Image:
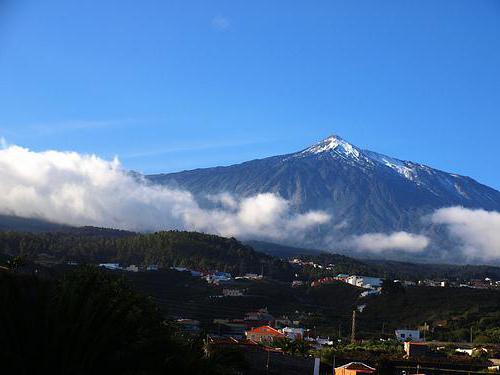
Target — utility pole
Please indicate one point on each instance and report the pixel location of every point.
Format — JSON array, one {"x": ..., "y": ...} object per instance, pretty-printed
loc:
[
  {"x": 267, "y": 363},
  {"x": 353, "y": 329},
  {"x": 471, "y": 334},
  {"x": 333, "y": 365}
]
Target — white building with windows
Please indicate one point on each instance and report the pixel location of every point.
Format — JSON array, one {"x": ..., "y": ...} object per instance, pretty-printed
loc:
[
  {"x": 408, "y": 335},
  {"x": 365, "y": 281}
]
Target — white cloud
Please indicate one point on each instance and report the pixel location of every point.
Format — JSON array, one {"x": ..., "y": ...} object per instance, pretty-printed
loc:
[
  {"x": 342, "y": 225},
  {"x": 382, "y": 242},
  {"x": 220, "y": 23},
  {"x": 477, "y": 230},
  {"x": 76, "y": 189},
  {"x": 226, "y": 200}
]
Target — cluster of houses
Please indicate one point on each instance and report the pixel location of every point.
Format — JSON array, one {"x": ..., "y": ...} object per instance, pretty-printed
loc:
[
  {"x": 130, "y": 268},
  {"x": 256, "y": 327},
  {"x": 211, "y": 277},
  {"x": 300, "y": 262},
  {"x": 486, "y": 283},
  {"x": 372, "y": 284},
  {"x": 416, "y": 347},
  {"x": 218, "y": 277},
  {"x": 261, "y": 331},
  {"x": 259, "y": 326}
]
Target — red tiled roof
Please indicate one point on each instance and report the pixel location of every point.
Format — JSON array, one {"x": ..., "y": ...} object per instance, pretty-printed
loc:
[{"x": 266, "y": 330}]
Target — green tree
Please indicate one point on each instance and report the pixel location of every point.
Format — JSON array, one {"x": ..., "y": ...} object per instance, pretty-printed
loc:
[{"x": 88, "y": 322}]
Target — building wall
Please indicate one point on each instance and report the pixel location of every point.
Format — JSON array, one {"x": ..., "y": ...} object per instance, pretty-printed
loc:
[
  {"x": 407, "y": 334},
  {"x": 343, "y": 371},
  {"x": 260, "y": 337}
]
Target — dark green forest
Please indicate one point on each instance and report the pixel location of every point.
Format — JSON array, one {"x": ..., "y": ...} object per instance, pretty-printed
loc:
[{"x": 170, "y": 248}]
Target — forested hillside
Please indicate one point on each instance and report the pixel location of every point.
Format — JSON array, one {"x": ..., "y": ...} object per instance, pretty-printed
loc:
[{"x": 185, "y": 249}]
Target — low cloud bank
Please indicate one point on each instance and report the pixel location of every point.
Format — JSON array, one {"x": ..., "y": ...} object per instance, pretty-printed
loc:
[
  {"x": 478, "y": 231},
  {"x": 381, "y": 242},
  {"x": 76, "y": 189}
]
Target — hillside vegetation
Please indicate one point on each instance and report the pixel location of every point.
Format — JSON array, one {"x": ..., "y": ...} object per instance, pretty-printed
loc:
[{"x": 172, "y": 248}]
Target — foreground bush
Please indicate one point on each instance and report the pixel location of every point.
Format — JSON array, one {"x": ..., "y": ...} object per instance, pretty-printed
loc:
[{"x": 90, "y": 322}]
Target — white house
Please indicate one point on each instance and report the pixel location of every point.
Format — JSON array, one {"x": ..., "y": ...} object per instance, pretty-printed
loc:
[
  {"x": 365, "y": 281},
  {"x": 293, "y": 333},
  {"x": 218, "y": 277},
  {"x": 230, "y": 292},
  {"x": 110, "y": 266},
  {"x": 132, "y": 268},
  {"x": 408, "y": 335},
  {"x": 319, "y": 342}
]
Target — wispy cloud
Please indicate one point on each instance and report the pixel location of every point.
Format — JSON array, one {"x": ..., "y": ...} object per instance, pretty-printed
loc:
[
  {"x": 191, "y": 146},
  {"x": 220, "y": 23},
  {"x": 50, "y": 128}
]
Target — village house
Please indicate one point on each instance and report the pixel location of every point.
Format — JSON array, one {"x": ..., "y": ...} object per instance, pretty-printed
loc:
[
  {"x": 110, "y": 266},
  {"x": 365, "y": 281},
  {"x": 406, "y": 283},
  {"x": 408, "y": 335},
  {"x": 432, "y": 283},
  {"x": 354, "y": 368},
  {"x": 294, "y": 334},
  {"x": 471, "y": 351},
  {"x": 132, "y": 268},
  {"x": 319, "y": 342},
  {"x": 481, "y": 284},
  {"x": 252, "y": 276},
  {"x": 232, "y": 292},
  {"x": 264, "y": 334},
  {"x": 219, "y": 277},
  {"x": 370, "y": 292}
]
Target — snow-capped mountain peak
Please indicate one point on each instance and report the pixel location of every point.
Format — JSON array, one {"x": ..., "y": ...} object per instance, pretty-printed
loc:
[
  {"x": 338, "y": 147},
  {"x": 336, "y": 144}
]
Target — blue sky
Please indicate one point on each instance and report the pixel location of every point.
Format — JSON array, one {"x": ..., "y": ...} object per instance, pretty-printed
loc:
[{"x": 171, "y": 85}]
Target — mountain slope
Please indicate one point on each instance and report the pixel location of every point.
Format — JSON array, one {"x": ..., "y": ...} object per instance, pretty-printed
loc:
[
  {"x": 363, "y": 190},
  {"x": 21, "y": 224}
]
